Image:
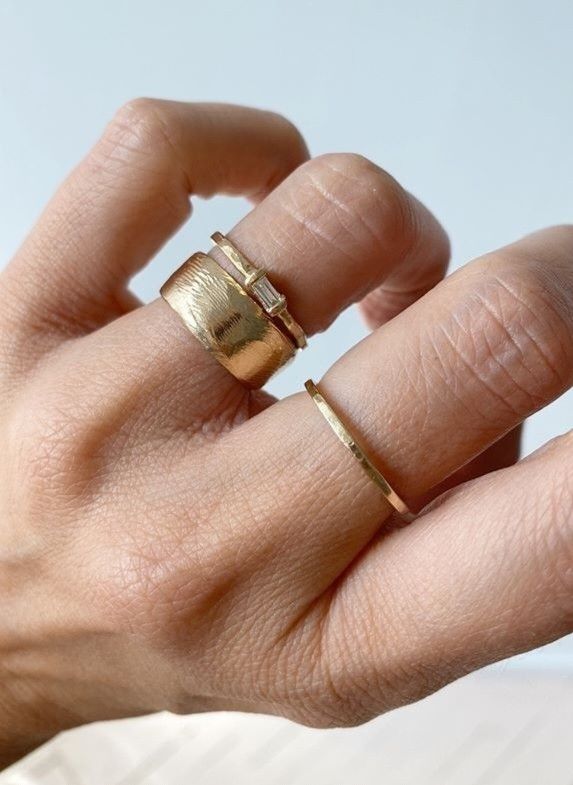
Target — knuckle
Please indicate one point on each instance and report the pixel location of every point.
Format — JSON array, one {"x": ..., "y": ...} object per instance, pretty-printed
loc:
[
  {"x": 140, "y": 119},
  {"x": 331, "y": 703},
  {"x": 46, "y": 468},
  {"x": 64, "y": 455},
  {"x": 382, "y": 212},
  {"x": 335, "y": 714},
  {"x": 294, "y": 138},
  {"x": 536, "y": 291},
  {"x": 142, "y": 131},
  {"x": 139, "y": 150},
  {"x": 345, "y": 694},
  {"x": 175, "y": 585},
  {"x": 513, "y": 332},
  {"x": 330, "y": 682}
]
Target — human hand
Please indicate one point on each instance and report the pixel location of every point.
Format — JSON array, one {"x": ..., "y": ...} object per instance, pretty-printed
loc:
[{"x": 173, "y": 541}]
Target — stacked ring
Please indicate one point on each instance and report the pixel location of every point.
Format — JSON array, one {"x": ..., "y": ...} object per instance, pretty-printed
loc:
[
  {"x": 235, "y": 322},
  {"x": 256, "y": 282},
  {"x": 227, "y": 321},
  {"x": 245, "y": 325}
]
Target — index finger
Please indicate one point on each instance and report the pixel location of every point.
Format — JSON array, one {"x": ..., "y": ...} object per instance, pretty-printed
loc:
[{"x": 131, "y": 193}]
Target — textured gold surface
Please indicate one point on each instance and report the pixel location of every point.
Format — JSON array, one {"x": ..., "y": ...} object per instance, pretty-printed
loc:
[
  {"x": 227, "y": 321},
  {"x": 251, "y": 275},
  {"x": 351, "y": 444}
]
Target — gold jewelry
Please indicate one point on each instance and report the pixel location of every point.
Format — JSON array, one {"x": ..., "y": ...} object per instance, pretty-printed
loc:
[
  {"x": 258, "y": 285},
  {"x": 227, "y": 321},
  {"x": 350, "y": 443}
]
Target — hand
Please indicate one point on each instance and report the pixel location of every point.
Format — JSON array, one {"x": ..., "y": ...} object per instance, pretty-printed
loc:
[{"x": 172, "y": 541}]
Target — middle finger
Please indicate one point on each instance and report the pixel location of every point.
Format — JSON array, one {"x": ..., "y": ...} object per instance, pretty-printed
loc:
[{"x": 330, "y": 233}]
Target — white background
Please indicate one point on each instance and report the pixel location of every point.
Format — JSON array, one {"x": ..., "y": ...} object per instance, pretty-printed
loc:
[{"x": 468, "y": 104}]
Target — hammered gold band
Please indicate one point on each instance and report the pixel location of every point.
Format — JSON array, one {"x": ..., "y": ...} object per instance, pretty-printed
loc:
[
  {"x": 357, "y": 451},
  {"x": 227, "y": 321},
  {"x": 256, "y": 282}
]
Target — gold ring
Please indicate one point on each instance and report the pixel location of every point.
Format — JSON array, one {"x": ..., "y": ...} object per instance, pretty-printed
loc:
[
  {"x": 227, "y": 321},
  {"x": 350, "y": 443},
  {"x": 256, "y": 282}
]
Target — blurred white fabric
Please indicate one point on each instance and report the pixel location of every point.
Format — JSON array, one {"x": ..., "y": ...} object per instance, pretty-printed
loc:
[
  {"x": 492, "y": 728},
  {"x": 469, "y": 105}
]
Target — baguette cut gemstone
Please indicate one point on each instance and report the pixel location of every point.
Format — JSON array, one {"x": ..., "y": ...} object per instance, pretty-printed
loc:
[
  {"x": 258, "y": 286},
  {"x": 267, "y": 295}
]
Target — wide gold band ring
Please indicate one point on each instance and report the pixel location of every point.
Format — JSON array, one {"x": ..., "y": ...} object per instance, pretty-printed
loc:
[
  {"x": 256, "y": 282},
  {"x": 357, "y": 451},
  {"x": 227, "y": 321}
]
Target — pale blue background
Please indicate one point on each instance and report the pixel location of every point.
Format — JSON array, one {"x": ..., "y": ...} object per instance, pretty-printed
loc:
[{"x": 469, "y": 104}]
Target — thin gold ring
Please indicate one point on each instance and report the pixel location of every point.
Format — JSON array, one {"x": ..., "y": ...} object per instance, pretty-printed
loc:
[
  {"x": 227, "y": 321},
  {"x": 256, "y": 282},
  {"x": 357, "y": 451}
]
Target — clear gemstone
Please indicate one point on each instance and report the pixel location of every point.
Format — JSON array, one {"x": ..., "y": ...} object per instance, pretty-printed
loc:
[{"x": 266, "y": 293}]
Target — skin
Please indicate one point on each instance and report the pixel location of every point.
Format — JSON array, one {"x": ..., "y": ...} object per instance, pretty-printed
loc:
[{"x": 170, "y": 540}]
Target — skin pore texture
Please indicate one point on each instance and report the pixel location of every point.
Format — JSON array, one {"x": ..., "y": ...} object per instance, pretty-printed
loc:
[{"x": 172, "y": 541}]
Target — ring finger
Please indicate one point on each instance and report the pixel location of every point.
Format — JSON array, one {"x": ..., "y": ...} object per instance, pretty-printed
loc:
[{"x": 426, "y": 393}]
